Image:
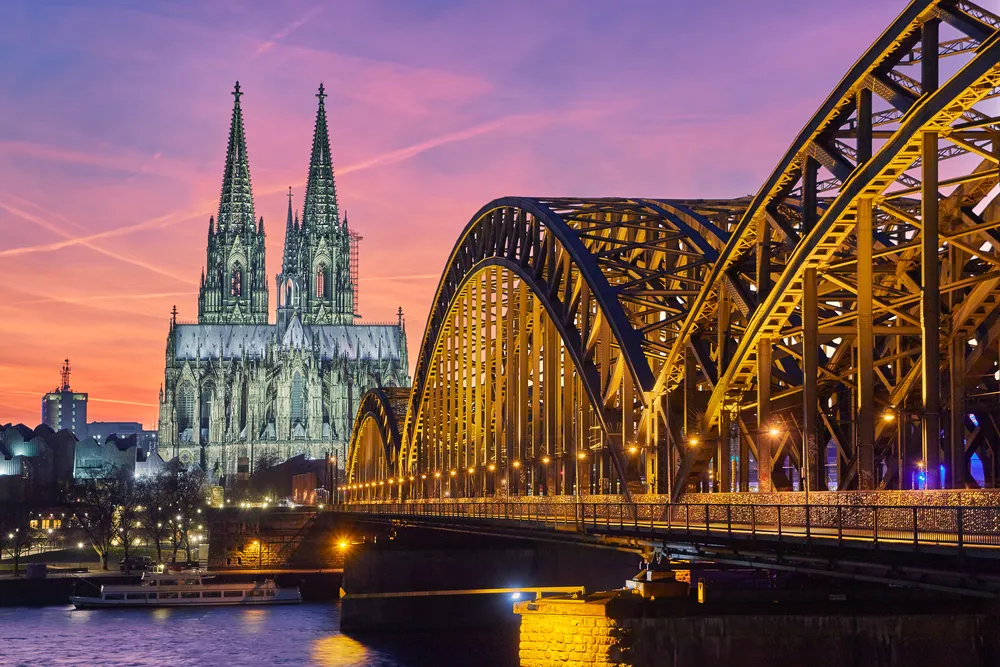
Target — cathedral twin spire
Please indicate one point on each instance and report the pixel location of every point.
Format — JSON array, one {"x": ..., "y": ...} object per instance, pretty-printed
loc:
[
  {"x": 315, "y": 282},
  {"x": 236, "y": 211},
  {"x": 234, "y": 285}
]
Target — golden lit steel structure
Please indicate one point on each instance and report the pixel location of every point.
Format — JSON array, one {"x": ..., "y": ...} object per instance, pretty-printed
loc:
[{"x": 851, "y": 306}]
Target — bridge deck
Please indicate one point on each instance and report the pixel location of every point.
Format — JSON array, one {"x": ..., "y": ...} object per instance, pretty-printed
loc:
[{"x": 965, "y": 529}]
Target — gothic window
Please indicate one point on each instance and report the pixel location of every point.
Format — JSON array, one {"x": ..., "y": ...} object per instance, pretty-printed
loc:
[
  {"x": 244, "y": 400},
  {"x": 206, "y": 406},
  {"x": 298, "y": 399},
  {"x": 323, "y": 282},
  {"x": 236, "y": 281},
  {"x": 185, "y": 408},
  {"x": 288, "y": 293}
]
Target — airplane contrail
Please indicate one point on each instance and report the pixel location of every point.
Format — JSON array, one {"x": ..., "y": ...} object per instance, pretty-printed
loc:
[
  {"x": 287, "y": 30},
  {"x": 45, "y": 224},
  {"x": 390, "y": 157},
  {"x": 416, "y": 276}
]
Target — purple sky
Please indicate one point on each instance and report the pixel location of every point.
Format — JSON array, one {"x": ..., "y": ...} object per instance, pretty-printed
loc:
[{"x": 115, "y": 119}]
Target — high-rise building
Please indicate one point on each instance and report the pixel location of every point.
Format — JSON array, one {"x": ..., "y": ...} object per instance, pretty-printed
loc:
[
  {"x": 237, "y": 387},
  {"x": 63, "y": 408}
]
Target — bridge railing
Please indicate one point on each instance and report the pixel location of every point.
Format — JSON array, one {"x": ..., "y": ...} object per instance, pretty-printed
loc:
[{"x": 949, "y": 526}]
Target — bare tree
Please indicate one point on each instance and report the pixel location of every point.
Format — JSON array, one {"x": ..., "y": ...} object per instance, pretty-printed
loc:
[
  {"x": 16, "y": 534},
  {"x": 125, "y": 490},
  {"x": 187, "y": 488},
  {"x": 155, "y": 498},
  {"x": 106, "y": 510},
  {"x": 265, "y": 461}
]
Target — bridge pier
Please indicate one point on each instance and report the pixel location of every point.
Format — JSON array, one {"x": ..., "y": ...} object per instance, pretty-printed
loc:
[
  {"x": 396, "y": 584},
  {"x": 622, "y": 628}
]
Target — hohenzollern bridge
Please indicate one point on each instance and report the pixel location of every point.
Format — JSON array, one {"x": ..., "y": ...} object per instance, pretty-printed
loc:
[{"x": 830, "y": 343}]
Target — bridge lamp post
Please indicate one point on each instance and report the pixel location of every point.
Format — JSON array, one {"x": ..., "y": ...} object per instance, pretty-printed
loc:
[
  {"x": 517, "y": 466},
  {"x": 451, "y": 482},
  {"x": 545, "y": 467},
  {"x": 471, "y": 485},
  {"x": 895, "y": 414},
  {"x": 440, "y": 484}
]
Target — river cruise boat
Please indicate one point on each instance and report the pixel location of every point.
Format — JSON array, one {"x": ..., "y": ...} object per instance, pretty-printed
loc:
[{"x": 187, "y": 590}]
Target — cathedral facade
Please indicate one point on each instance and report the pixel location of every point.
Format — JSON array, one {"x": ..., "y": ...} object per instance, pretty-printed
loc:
[{"x": 237, "y": 387}]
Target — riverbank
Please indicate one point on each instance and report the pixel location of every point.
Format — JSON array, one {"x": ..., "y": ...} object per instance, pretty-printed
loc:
[{"x": 316, "y": 585}]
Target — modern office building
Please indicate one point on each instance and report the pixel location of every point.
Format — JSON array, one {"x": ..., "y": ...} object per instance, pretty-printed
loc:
[{"x": 65, "y": 409}]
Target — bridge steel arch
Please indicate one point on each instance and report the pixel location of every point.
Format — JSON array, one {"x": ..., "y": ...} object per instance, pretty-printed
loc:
[
  {"x": 543, "y": 339},
  {"x": 373, "y": 451},
  {"x": 869, "y": 254},
  {"x": 841, "y": 325}
]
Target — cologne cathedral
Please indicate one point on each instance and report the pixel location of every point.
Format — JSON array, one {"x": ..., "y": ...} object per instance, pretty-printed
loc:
[{"x": 238, "y": 388}]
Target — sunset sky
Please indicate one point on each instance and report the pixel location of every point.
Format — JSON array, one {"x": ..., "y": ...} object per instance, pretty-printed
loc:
[{"x": 115, "y": 120}]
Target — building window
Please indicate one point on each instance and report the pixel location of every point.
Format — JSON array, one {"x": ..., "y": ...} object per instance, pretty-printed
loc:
[
  {"x": 185, "y": 408},
  {"x": 298, "y": 399},
  {"x": 322, "y": 282},
  {"x": 206, "y": 406},
  {"x": 236, "y": 281}
]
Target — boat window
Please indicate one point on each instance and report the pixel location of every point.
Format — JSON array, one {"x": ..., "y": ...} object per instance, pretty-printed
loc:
[
  {"x": 187, "y": 595},
  {"x": 212, "y": 594},
  {"x": 270, "y": 592},
  {"x": 257, "y": 594},
  {"x": 114, "y": 596},
  {"x": 136, "y": 596},
  {"x": 233, "y": 594},
  {"x": 152, "y": 596},
  {"x": 190, "y": 582},
  {"x": 168, "y": 595}
]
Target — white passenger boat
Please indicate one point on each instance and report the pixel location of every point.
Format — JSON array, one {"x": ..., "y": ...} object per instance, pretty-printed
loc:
[{"x": 187, "y": 590}]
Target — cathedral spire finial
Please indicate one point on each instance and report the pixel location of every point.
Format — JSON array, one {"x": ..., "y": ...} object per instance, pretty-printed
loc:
[
  {"x": 321, "y": 94},
  {"x": 173, "y": 315},
  {"x": 237, "y": 93},
  {"x": 288, "y": 263}
]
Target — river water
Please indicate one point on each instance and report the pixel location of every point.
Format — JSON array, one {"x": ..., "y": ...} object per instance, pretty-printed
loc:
[{"x": 292, "y": 635}]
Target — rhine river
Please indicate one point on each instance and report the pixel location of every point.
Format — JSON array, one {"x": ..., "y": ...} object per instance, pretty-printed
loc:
[{"x": 292, "y": 635}]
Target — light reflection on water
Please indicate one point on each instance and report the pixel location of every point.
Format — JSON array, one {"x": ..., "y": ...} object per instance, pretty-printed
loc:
[
  {"x": 339, "y": 651},
  {"x": 290, "y": 635}
]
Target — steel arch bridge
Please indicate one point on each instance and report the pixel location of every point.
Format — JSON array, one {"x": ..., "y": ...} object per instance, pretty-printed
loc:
[{"x": 840, "y": 325}]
